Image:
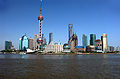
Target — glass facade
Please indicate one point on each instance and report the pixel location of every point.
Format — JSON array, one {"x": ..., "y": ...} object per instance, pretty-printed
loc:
[
  {"x": 70, "y": 30},
  {"x": 84, "y": 40},
  {"x": 92, "y": 39},
  {"x": 50, "y": 37},
  {"x": 23, "y": 43},
  {"x": 20, "y": 44},
  {"x": 8, "y": 45}
]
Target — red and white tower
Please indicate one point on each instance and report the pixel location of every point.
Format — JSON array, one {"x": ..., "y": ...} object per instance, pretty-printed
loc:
[{"x": 40, "y": 18}]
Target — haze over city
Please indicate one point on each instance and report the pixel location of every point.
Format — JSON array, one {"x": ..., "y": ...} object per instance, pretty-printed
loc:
[{"x": 18, "y": 17}]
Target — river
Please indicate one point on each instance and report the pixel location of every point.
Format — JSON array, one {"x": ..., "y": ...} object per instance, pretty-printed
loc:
[{"x": 15, "y": 66}]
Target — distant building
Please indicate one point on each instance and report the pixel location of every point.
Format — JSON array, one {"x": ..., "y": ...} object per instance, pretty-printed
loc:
[
  {"x": 84, "y": 40},
  {"x": 73, "y": 41},
  {"x": 104, "y": 42},
  {"x": 117, "y": 48},
  {"x": 90, "y": 48},
  {"x": 44, "y": 40},
  {"x": 8, "y": 45},
  {"x": 50, "y": 38},
  {"x": 66, "y": 48},
  {"x": 20, "y": 44},
  {"x": 30, "y": 43},
  {"x": 36, "y": 46},
  {"x": 23, "y": 43},
  {"x": 57, "y": 48},
  {"x": 98, "y": 44},
  {"x": 70, "y": 30},
  {"x": 79, "y": 48},
  {"x": 111, "y": 49},
  {"x": 42, "y": 47},
  {"x": 92, "y": 39}
]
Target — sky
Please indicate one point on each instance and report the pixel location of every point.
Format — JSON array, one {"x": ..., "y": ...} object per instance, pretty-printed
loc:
[{"x": 18, "y": 17}]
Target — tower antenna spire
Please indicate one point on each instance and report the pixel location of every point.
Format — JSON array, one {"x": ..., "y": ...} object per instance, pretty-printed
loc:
[{"x": 41, "y": 9}]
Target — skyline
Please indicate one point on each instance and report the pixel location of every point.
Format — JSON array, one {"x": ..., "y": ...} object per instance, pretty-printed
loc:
[{"x": 93, "y": 14}]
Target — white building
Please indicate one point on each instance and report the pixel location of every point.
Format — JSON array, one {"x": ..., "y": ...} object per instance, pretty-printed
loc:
[
  {"x": 117, "y": 48},
  {"x": 57, "y": 48}
]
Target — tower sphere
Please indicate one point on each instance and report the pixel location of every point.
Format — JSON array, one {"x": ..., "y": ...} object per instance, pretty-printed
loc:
[
  {"x": 40, "y": 18},
  {"x": 39, "y": 40}
]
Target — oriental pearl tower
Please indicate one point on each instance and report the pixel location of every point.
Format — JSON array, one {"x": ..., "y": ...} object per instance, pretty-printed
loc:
[{"x": 40, "y": 19}]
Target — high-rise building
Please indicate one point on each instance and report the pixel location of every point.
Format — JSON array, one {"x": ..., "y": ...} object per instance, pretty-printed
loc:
[
  {"x": 111, "y": 49},
  {"x": 92, "y": 39},
  {"x": 8, "y": 45},
  {"x": 23, "y": 43},
  {"x": 84, "y": 40},
  {"x": 117, "y": 48},
  {"x": 30, "y": 43},
  {"x": 44, "y": 40},
  {"x": 20, "y": 44},
  {"x": 36, "y": 46},
  {"x": 42, "y": 47},
  {"x": 104, "y": 42},
  {"x": 73, "y": 41},
  {"x": 70, "y": 30},
  {"x": 98, "y": 44},
  {"x": 50, "y": 38}
]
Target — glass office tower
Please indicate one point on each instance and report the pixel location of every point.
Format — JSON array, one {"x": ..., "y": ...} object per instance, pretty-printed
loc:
[{"x": 92, "y": 39}]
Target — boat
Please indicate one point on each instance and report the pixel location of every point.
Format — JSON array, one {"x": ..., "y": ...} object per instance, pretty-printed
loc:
[
  {"x": 29, "y": 51},
  {"x": 22, "y": 53}
]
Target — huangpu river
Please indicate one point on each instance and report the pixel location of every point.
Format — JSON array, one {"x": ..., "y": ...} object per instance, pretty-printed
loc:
[{"x": 103, "y": 66}]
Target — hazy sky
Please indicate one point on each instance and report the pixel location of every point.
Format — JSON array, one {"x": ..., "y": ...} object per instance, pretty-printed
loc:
[{"x": 18, "y": 17}]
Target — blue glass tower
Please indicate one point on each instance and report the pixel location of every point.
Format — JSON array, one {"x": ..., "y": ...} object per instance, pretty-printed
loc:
[
  {"x": 84, "y": 40},
  {"x": 23, "y": 43},
  {"x": 92, "y": 39},
  {"x": 8, "y": 45}
]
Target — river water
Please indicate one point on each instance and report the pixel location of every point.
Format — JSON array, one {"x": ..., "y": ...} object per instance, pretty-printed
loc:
[{"x": 15, "y": 66}]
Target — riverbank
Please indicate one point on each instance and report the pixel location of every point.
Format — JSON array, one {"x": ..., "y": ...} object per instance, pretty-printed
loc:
[
  {"x": 71, "y": 53},
  {"x": 74, "y": 53}
]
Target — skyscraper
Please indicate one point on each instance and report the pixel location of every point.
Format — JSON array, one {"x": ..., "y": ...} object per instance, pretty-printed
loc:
[
  {"x": 23, "y": 43},
  {"x": 42, "y": 47},
  {"x": 30, "y": 43},
  {"x": 35, "y": 43},
  {"x": 70, "y": 30},
  {"x": 50, "y": 38},
  {"x": 73, "y": 41},
  {"x": 98, "y": 44},
  {"x": 8, "y": 45},
  {"x": 84, "y": 40},
  {"x": 117, "y": 48},
  {"x": 111, "y": 49},
  {"x": 104, "y": 42},
  {"x": 92, "y": 39},
  {"x": 44, "y": 40},
  {"x": 20, "y": 44}
]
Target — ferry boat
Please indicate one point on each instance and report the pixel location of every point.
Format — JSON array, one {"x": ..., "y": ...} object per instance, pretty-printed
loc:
[{"x": 29, "y": 51}]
